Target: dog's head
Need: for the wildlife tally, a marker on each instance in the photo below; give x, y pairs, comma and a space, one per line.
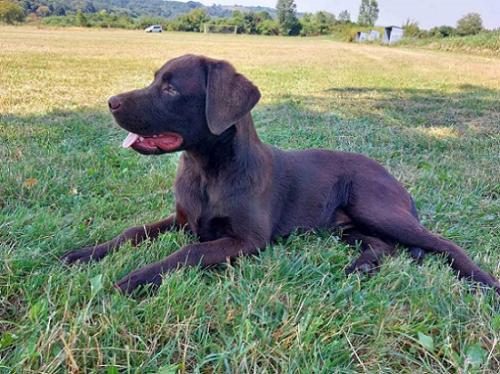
191, 100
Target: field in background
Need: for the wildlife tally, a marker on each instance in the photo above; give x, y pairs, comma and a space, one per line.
432, 118
485, 43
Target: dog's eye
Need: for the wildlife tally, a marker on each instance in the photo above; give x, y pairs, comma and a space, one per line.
169, 89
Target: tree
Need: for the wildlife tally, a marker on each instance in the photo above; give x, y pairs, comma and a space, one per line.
89, 8
411, 29
11, 13
325, 21
287, 17
42, 11
238, 19
320, 23
263, 16
250, 22
308, 26
368, 12
268, 27
442, 31
192, 21
59, 10
81, 20
470, 24
344, 16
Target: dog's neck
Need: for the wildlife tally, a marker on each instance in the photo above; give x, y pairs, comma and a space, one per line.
239, 145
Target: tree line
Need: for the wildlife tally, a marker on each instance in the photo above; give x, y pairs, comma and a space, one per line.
287, 21
92, 14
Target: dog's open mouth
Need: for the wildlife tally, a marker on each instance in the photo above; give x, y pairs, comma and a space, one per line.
166, 142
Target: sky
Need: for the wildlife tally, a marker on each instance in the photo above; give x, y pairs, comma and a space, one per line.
427, 13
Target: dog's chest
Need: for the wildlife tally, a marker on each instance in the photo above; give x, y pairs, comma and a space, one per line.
203, 206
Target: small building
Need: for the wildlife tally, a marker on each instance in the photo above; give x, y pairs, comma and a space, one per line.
373, 35
361, 36
392, 34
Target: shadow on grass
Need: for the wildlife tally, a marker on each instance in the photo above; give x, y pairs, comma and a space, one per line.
470, 107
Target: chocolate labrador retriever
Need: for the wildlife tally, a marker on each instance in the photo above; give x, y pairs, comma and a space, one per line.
237, 194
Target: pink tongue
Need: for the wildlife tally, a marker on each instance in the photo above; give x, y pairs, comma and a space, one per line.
130, 139
165, 142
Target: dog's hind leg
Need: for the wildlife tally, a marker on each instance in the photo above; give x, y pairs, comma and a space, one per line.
372, 251
398, 224
416, 253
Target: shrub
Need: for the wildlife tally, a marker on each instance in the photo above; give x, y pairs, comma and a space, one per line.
320, 23
470, 24
11, 13
42, 11
268, 27
192, 21
81, 20
145, 21
412, 30
442, 31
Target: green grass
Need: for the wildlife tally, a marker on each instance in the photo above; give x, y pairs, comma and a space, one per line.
484, 43
431, 117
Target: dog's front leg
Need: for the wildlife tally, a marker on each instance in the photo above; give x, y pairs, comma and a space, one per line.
203, 254
134, 234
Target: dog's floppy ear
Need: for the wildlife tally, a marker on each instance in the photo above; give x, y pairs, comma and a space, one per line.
229, 96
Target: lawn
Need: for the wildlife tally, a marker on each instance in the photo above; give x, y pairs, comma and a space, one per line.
433, 118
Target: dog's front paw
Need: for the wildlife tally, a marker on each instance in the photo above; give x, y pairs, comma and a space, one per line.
80, 256
136, 279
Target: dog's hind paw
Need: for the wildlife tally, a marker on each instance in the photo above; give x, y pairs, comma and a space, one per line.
362, 267
418, 254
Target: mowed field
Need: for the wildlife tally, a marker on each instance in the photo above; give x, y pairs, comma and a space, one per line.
432, 118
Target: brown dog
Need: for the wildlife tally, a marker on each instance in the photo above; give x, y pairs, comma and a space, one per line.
237, 194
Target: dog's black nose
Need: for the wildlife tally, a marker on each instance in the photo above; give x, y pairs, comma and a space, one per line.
114, 103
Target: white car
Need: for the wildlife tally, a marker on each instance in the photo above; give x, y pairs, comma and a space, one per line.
154, 28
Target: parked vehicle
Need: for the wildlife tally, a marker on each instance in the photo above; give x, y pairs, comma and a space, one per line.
154, 28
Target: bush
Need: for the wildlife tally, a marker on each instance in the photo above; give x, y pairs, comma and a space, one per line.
102, 19
470, 24
347, 31
192, 21
42, 11
485, 43
412, 30
81, 20
11, 13
145, 21
59, 21
320, 23
268, 27
442, 31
